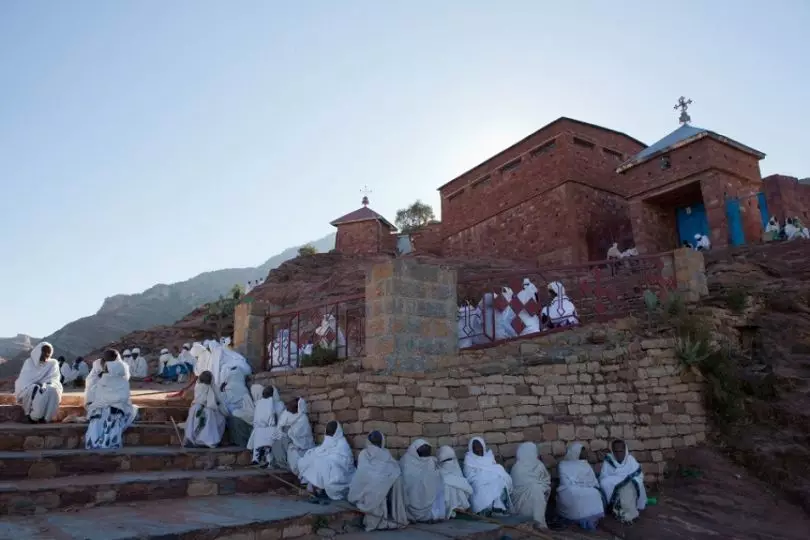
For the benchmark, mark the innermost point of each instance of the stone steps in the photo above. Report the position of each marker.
(26, 497)
(20, 437)
(14, 413)
(264, 517)
(457, 528)
(56, 463)
(145, 398)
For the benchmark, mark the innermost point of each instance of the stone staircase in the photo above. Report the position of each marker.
(52, 488)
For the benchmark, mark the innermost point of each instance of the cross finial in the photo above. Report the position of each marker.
(683, 104)
(365, 191)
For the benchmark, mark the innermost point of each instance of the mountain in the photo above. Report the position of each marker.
(160, 305)
(10, 348)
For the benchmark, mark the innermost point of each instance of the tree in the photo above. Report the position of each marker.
(222, 310)
(415, 216)
(306, 250)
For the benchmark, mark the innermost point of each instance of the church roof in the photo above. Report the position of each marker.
(682, 136)
(362, 214)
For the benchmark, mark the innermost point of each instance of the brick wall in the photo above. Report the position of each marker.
(589, 385)
(787, 197)
(600, 219)
(654, 227)
(428, 239)
(364, 237)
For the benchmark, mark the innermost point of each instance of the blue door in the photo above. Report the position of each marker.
(735, 228)
(691, 221)
(763, 209)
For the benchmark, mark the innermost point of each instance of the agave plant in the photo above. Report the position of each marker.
(692, 352)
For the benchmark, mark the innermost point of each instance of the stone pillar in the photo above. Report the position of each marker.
(690, 274)
(248, 335)
(411, 316)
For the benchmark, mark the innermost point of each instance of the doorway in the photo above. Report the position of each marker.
(691, 221)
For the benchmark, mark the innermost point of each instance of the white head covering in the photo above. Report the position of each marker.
(136, 350)
(451, 471)
(615, 472)
(560, 310)
(376, 473)
(187, 346)
(126, 353)
(421, 481)
(164, 351)
(225, 341)
(487, 478)
(36, 372)
(111, 389)
(330, 465)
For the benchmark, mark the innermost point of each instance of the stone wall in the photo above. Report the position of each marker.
(787, 197)
(590, 384)
(364, 238)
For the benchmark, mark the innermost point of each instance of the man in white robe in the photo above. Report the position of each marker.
(265, 427)
(622, 483)
(531, 485)
(614, 252)
(74, 373)
(423, 485)
(579, 498)
(491, 483)
(38, 389)
(138, 368)
(328, 468)
(376, 489)
(238, 400)
(109, 407)
(457, 491)
(186, 358)
(206, 416)
(560, 311)
(294, 423)
(202, 358)
(230, 360)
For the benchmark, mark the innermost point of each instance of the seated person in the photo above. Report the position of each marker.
(265, 431)
(38, 388)
(297, 439)
(457, 491)
(578, 496)
(531, 485)
(490, 482)
(560, 311)
(622, 483)
(376, 489)
(108, 404)
(423, 485)
(328, 468)
(170, 367)
(138, 368)
(237, 398)
(186, 357)
(207, 415)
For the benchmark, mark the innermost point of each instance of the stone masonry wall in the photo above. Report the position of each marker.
(787, 197)
(363, 238)
(590, 385)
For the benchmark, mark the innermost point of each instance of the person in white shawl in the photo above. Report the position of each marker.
(38, 389)
(490, 482)
(457, 490)
(328, 468)
(376, 489)
(560, 311)
(185, 357)
(294, 424)
(578, 496)
(422, 483)
(202, 358)
(531, 485)
(265, 427)
(206, 416)
(622, 483)
(109, 406)
(74, 373)
(239, 401)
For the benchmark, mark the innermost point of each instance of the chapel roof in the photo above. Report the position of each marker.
(682, 136)
(362, 214)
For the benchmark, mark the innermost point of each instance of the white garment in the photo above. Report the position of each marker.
(138, 368)
(376, 489)
(166, 359)
(71, 371)
(237, 398)
(614, 252)
(578, 495)
(283, 352)
(490, 481)
(560, 311)
(111, 390)
(497, 324)
(265, 421)
(298, 433)
(632, 252)
(469, 325)
(615, 475)
(202, 359)
(457, 490)
(185, 356)
(773, 226)
(329, 466)
(38, 389)
(230, 361)
(531, 484)
(330, 336)
(206, 417)
(531, 322)
(702, 242)
(92, 379)
(423, 485)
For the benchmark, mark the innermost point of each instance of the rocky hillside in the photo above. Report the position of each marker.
(10, 348)
(159, 305)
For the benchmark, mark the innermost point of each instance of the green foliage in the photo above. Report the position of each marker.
(651, 300)
(307, 250)
(222, 310)
(674, 305)
(736, 299)
(413, 217)
(724, 390)
(692, 352)
(320, 356)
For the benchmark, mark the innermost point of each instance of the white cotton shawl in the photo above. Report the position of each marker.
(457, 490)
(206, 395)
(298, 427)
(578, 495)
(561, 310)
(230, 360)
(202, 359)
(377, 470)
(487, 478)
(237, 398)
(531, 484)
(111, 389)
(69, 372)
(329, 466)
(35, 372)
(421, 481)
(614, 473)
(265, 432)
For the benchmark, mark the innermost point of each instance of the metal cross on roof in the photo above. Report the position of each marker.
(365, 191)
(683, 104)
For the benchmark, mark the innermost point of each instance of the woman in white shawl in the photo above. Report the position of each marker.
(202, 358)
(376, 489)
(230, 360)
(422, 482)
(531, 485)
(207, 415)
(622, 483)
(109, 407)
(265, 431)
(578, 496)
(329, 467)
(238, 400)
(560, 311)
(74, 373)
(294, 423)
(38, 389)
(490, 482)
(457, 491)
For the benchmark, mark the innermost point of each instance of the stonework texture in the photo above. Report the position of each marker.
(589, 384)
(364, 238)
(787, 197)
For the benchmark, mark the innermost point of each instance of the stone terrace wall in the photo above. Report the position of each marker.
(590, 384)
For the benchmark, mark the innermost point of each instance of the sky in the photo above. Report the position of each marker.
(146, 141)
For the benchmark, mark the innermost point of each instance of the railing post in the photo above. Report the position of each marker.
(411, 313)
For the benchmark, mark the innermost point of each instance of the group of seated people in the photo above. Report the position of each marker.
(792, 229)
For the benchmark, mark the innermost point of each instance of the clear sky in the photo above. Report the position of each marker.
(147, 141)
